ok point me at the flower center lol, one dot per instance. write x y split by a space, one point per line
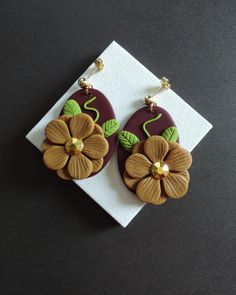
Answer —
74 146
160 169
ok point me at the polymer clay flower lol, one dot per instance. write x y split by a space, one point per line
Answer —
157 169
74 146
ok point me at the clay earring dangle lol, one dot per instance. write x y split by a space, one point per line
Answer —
151 161
82 140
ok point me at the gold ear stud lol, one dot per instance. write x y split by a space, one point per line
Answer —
149 99
165 83
83 82
99 63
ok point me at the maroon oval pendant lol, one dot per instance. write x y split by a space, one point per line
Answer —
105 110
135 126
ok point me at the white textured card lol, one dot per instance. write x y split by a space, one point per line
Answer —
125 81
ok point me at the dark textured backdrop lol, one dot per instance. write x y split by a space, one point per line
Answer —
53 238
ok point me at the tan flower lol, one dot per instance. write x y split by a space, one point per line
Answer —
74 146
157 169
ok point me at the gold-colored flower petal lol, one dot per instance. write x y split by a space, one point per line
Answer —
149 190
95 146
138 148
178 159
65 118
79 166
155 148
57 132
45 145
138 166
161 200
176 184
172 145
81 126
97 130
97 164
55 157
64 174
130 181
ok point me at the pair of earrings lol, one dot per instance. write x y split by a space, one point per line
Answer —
82 140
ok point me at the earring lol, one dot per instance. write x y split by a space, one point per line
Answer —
82 140
151 161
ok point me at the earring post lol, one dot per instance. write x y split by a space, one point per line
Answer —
149 100
83 82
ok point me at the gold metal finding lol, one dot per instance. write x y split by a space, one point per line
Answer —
160 169
83 82
149 99
165 83
99 63
74 146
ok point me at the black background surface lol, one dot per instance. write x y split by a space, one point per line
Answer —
53 238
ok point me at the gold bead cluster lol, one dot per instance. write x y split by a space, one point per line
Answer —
165 83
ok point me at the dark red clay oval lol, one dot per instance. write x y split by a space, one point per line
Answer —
102 104
135 126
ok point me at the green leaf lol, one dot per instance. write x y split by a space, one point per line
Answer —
71 108
110 127
127 140
170 134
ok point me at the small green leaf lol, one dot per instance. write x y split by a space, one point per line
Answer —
71 108
127 140
110 127
170 134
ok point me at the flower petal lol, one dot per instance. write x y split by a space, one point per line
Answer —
176 184
55 157
155 148
81 126
45 145
149 190
138 148
137 165
97 164
64 174
130 181
65 118
57 132
95 146
161 200
172 145
178 159
97 130
79 166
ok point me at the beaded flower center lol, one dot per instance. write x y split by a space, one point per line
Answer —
74 146
160 168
